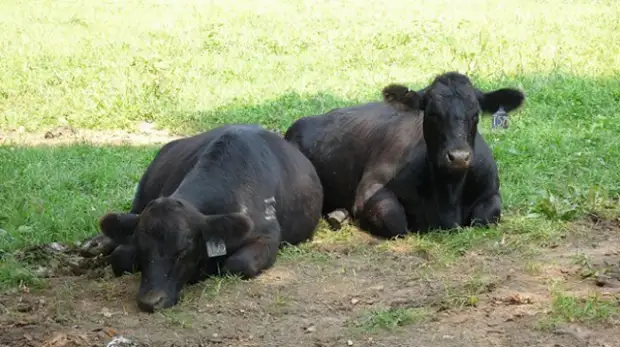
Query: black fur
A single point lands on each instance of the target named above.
(215, 185)
(412, 162)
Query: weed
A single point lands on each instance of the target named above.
(468, 293)
(13, 273)
(533, 268)
(280, 304)
(304, 251)
(590, 310)
(424, 247)
(213, 286)
(392, 318)
(576, 203)
(177, 316)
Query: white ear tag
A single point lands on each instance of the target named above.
(500, 119)
(216, 248)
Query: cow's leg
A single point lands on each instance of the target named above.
(383, 215)
(99, 244)
(252, 259)
(485, 212)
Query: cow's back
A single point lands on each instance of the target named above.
(243, 166)
(344, 143)
(170, 166)
(248, 166)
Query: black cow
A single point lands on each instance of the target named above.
(414, 161)
(221, 201)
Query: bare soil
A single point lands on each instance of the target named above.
(323, 297)
(145, 134)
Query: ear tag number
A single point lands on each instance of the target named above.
(216, 248)
(500, 119)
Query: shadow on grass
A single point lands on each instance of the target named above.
(559, 156)
(551, 98)
(276, 114)
(560, 146)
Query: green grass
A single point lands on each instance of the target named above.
(591, 310)
(189, 66)
(391, 318)
(12, 273)
(59, 193)
(212, 287)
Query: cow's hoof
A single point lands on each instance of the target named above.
(97, 245)
(336, 219)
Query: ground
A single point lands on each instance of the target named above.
(347, 288)
(89, 90)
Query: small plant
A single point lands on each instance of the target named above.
(567, 308)
(176, 316)
(575, 202)
(533, 268)
(280, 301)
(392, 318)
(13, 273)
(213, 286)
(555, 207)
(468, 294)
(583, 261)
(302, 252)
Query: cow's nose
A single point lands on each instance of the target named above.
(459, 158)
(152, 301)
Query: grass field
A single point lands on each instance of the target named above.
(187, 66)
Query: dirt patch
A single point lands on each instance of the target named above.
(58, 260)
(345, 297)
(145, 134)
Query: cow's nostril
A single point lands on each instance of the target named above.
(158, 300)
(459, 158)
(152, 301)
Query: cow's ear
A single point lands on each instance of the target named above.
(119, 226)
(399, 94)
(230, 228)
(508, 98)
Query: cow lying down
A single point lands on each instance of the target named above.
(414, 161)
(223, 201)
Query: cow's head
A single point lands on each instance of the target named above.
(452, 106)
(167, 243)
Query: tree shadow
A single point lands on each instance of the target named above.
(562, 142)
(275, 114)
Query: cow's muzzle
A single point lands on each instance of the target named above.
(153, 300)
(458, 159)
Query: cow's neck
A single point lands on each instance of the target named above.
(205, 196)
(447, 192)
(447, 183)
